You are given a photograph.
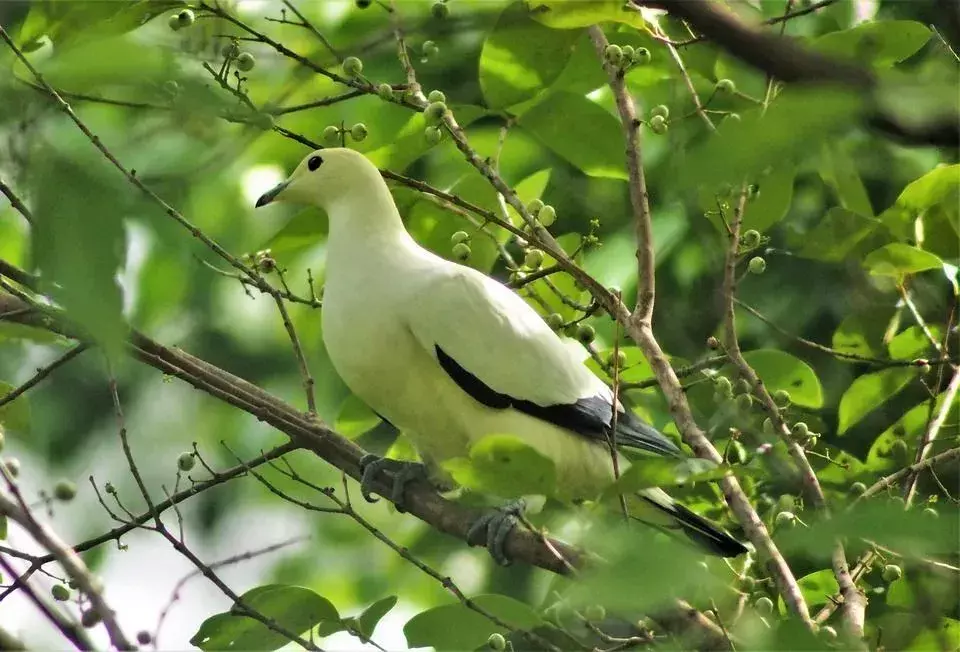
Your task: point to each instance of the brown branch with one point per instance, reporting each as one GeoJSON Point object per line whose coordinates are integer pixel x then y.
{"type": "Point", "coordinates": [916, 467]}
{"type": "Point", "coordinates": [18, 205]}
{"type": "Point", "coordinates": [42, 373]}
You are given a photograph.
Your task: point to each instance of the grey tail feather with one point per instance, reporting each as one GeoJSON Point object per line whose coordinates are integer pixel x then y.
{"type": "Point", "coordinates": [704, 533]}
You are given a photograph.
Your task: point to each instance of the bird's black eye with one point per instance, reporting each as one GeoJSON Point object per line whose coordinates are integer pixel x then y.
{"type": "Point", "coordinates": [314, 163]}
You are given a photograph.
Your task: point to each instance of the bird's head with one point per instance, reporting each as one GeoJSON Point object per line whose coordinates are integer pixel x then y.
{"type": "Point", "coordinates": [324, 178]}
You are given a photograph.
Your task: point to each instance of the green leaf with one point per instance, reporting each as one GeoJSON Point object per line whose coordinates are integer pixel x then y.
{"type": "Point", "coordinates": [839, 172]}
{"type": "Point", "coordinates": [579, 131]}
{"type": "Point", "coordinates": [836, 235]}
{"type": "Point", "coordinates": [563, 14]}
{"type": "Point", "coordinates": [870, 391]}
{"type": "Point", "coordinates": [794, 125]}
{"type": "Point", "coordinates": [506, 466]}
{"type": "Point", "coordinates": [14, 416]}
{"type": "Point", "coordinates": [817, 588]}
{"type": "Point", "coordinates": [409, 142]}
{"type": "Point", "coordinates": [648, 472]}
{"type": "Point", "coordinates": [457, 627]}
{"type": "Point", "coordinates": [11, 331]}
{"type": "Point", "coordinates": [882, 42]}
{"type": "Point", "coordinates": [927, 640]}
{"type": "Point", "coordinates": [862, 333]}
{"type": "Point", "coordinates": [65, 21]}
{"type": "Point", "coordinates": [780, 370]}
{"type": "Point", "coordinates": [935, 196]}
{"type": "Point", "coordinates": [912, 342]}
{"type": "Point", "coordinates": [882, 456]}
{"type": "Point", "coordinates": [521, 57]}
{"type": "Point", "coordinates": [900, 260]}
{"type": "Point", "coordinates": [776, 193]}
{"type": "Point", "coordinates": [355, 417]}
{"type": "Point", "coordinates": [367, 621]}
{"type": "Point", "coordinates": [294, 608]}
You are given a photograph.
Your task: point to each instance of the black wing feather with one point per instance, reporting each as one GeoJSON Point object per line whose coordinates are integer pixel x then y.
{"type": "Point", "coordinates": [589, 417]}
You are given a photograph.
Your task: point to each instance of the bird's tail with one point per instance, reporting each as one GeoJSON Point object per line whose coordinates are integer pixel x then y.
{"type": "Point", "coordinates": [656, 508]}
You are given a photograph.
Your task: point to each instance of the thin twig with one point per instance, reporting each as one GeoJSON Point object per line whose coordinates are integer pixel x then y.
{"type": "Point", "coordinates": [42, 373]}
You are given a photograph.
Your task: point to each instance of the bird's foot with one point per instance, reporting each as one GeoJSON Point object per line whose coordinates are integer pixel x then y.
{"type": "Point", "coordinates": [495, 526]}
{"type": "Point", "coordinates": [403, 474]}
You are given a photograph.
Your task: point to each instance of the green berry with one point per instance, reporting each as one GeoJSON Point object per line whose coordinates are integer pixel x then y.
{"type": "Point", "coordinates": [764, 606]}
{"type": "Point", "coordinates": [186, 461]}
{"type": "Point", "coordinates": [613, 55]}
{"type": "Point", "coordinates": [385, 92]}
{"type": "Point", "coordinates": [586, 333]}
{"type": "Point", "coordinates": [230, 50]}
{"type": "Point", "coordinates": [658, 125]}
{"type": "Point", "coordinates": [744, 402]}
{"type": "Point", "coordinates": [661, 110]}
{"type": "Point", "coordinates": [265, 121]}
{"type": "Point", "coordinates": [143, 636]}
{"type": "Point", "coordinates": [461, 251]}
{"type": "Point", "coordinates": [331, 135]}
{"type": "Point", "coordinates": [440, 10]}
{"type": "Point", "coordinates": [547, 215]}
{"type": "Point", "coordinates": [533, 259]}
{"type": "Point", "coordinates": [497, 642]}
{"type": "Point", "coordinates": [786, 503]}
{"type": "Point", "coordinates": [757, 265]}
{"type": "Point", "coordinates": [13, 466]}
{"type": "Point", "coordinates": [899, 447]}
{"type": "Point", "coordinates": [800, 429]}
{"type": "Point", "coordinates": [751, 239]}
{"type": "Point", "coordinates": [724, 386]}
{"type": "Point", "coordinates": [726, 86]}
{"type": "Point", "coordinates": [785, 519]}
{"type": "Point", "coordinates": [857, 488]}
{"type": "Point", "coordinates": [713, 343]}
{"type": "Point", "coordinates": [781, 397]}
{"type": "Point", "coordinates": [641, 56]}
{"type": "Point", "coordinates": [430, 49]}
{"type": "Point", "coordinates": [534, 207]}
{"type": "Point", "coordinates": [174, 22]}
{"type": "Point", "coordinates": [931, 512]}
{"type": "Point", "coordinates": [186, 18]}
{"type": "Point", "coordinates": [60, 593]}
{"type": "Point", "coordinates": [743, 386]}
{"type": "Point", "coordinates": [433, 135]}
{"type": "Point", "coordinates": [64, 490]}
{"type": "Point", "coordinates": [891, 573]}
{"type": "Point", "coordinates": [245, 62]}
{"type": "Point", "coordinates": [555, 320]}
{"type": "Point", "coordinates": [436, 96]}
{"type": "Point", "coordinates": [459, 236]}
{"type": "Point", "coordinates": [89, 618]}
{"type": "Point", "coordinates": [434, 113]}
{"type": "Point", "coordinates": [747, 583]}
{"type": "Point", "coordinates": [358, 131]}
{"type": "Point", "coordinates": [618, 360]}
{"type": "Point", "coordinates": [595, 613]}
{"type": "Point", "coordinates": [627, 52]}
{"type": "Point", "coordinates": [352, 66]}
{"type": "Point", "coordinates": [109, 488]}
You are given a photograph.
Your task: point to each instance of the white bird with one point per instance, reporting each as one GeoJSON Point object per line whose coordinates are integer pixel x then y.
{"type": "Point", "coordinates": [449, 355]}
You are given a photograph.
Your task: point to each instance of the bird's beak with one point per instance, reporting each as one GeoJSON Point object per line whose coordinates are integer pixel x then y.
{"type": "Point", "coordinates": [272, 194]}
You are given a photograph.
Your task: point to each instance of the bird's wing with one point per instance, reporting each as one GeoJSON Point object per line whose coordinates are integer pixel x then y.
{"type": "Point", "coordinates": [498, 350]}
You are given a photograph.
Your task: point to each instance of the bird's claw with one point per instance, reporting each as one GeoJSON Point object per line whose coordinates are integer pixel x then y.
{"type": "Point", "coordinates": [495, 526]}
{"type": "Point", "coordinates": [403, 474]}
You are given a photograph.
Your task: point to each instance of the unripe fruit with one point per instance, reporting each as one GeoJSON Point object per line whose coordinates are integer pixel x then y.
{"type": "Point", "coordinates": [757, 265]}
{"type": "Point", "coordinates": [433, 135]}
{"type": "Point", "coordinates": [828, 633]}
{"type": "Point", "coordinates": [658, 124]}
{"type": "Point", "coordinates": [64, 490]}
{"type": "Point", "coordinates": [800, 429]}
{"type": "Point", "coordinates": [13, 466]}
{"type": "Point", "coordinates": [434, 113]}
{"type": "Point", "coordinates": [385, 92]}
{"type": "Point", "coordinates": [459, 236]}
{"type": "Point", "coordinates": [430, 49]}
{"type": "Point", "coordinates": [618, 360]}
{"type": "Point", "coordinates": [726, 86]}
{"type": "Point", "coordinates": [174, 22]}
{"type": "Point", "coordinates": [751, 239]}
{"type": "Point", "coordinates": [497, 642]}
{"type": "Point", "coordinates": [533, 259]}
{"type": "Point", "coordinates": [891, 573]}
{"type": "Point", "coordinates": [785, 519]}
{"type": "Point", "coordinates": [109, 488]}
{"type": "Point", "coordinates": [595, 613]}
{"type": "Point", "coordinates": [781, 397]}
{"type": "Point", "coordinates": [857, 488]}
{"type": "Point", "coordinates": [899, 447]}
{"type": "Point", "coordinates": [436, 96]}
{"type": "Point", "coordinates": [186, 461]}
{"type": "Point", "coordinates": [230, 50]}
{"type": "Point", "coordinates": [764, 606]}
{"type": "Point", "coordinates": [358, 131]}
{"type": "Point", "coordinates": [724, 386]}
{"type": "Point", "coordinates": [186, 18]}
{"type": "Point", "coordinates": [555, 320]}
{"type": "Point", "coordinates": [60, 593]}
{"type": "Point", "coordinates": [461, 251]}
{"type": "Point", "coordinates": [613, 55]}
{"type": "Point", "coordinates": [713, 343]}
{"type": "Point", "coordinates": [744, 402]}
{"type": "Point", "coordinates": [743, 386]}
{"type": "Point", "coordinates": [586, 333]}
{"type": "Point", "coordinates": [352, 66]}
{"type": "Point", "coordinates": [331, 135]}
{"type": "Point", "coordinates": [265, 121]}
{"type": "Point", "coordinates": [143, 636]}
{"type": "Point", "coordinates": [245, 62]}
{"type": "Point", "coordinates": [661, 110]}
{"type": "Point", "coordinates": [547, 215]}
{"type": "Point", "coordinates": [89, 618]}
{"type": "Point", "coordinates": [747, 583]}
{"type": "Point", "coordinates": [534, 207]}
{"type": "Point", "coordinates": [641, 56]}
{"type": "Point", "coordinates": [627, 52]}
{"type": "Point", "coordinates": [440, 10]}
